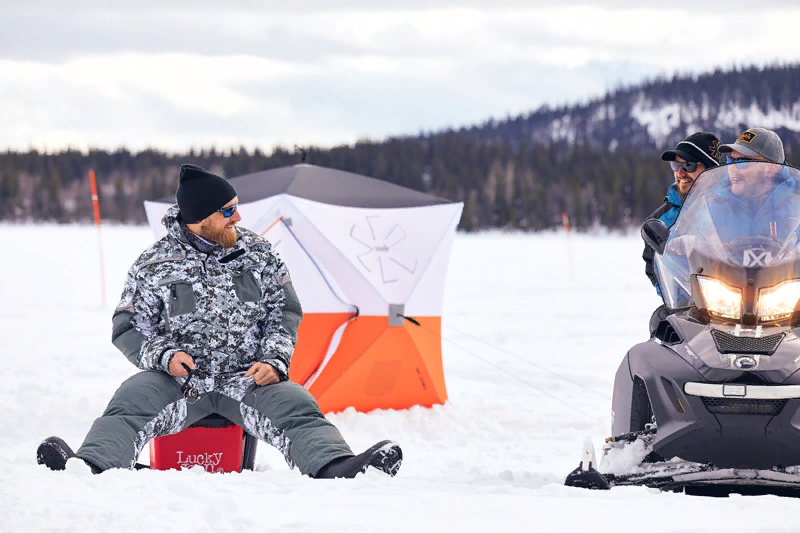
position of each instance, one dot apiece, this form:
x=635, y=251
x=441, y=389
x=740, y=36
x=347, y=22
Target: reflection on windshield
x=744, y=215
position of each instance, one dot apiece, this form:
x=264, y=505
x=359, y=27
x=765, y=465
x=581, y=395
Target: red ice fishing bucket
x=215, y=443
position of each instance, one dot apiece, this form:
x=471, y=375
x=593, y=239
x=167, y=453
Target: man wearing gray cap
x=754, y=144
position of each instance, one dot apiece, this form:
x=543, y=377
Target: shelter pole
x=97, y=223
x=565, y=221
x=271, y=226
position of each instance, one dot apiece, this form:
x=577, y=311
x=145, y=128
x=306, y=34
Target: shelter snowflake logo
x=383, y=253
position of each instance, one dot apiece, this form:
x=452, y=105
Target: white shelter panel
x=260, y=215
x=155, y=212
x=355, y=288
x=427, y=298
x=391, y=248
x=315, y=285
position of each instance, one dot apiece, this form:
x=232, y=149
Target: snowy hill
x=660, y=112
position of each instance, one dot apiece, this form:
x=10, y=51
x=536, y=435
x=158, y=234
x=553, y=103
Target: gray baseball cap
x=757, y=142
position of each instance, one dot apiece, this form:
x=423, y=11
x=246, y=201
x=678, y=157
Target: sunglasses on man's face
x=228, y=212
x=686, y=165
x=739, y=161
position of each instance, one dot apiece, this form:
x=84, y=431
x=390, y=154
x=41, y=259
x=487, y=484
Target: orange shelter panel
x=359, y=334
x=392, y=372
x=314, y=336
x=428, y=340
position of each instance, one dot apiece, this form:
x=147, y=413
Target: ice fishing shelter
x=363, y=254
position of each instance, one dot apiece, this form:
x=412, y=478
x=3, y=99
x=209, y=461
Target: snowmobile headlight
x=778, y=302
x=721, y=300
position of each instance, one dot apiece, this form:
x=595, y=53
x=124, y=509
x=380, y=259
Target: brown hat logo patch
x=746, y=137
x=714, y=149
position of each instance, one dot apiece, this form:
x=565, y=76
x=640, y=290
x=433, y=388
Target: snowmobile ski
x=586, y=476
x=694, y=478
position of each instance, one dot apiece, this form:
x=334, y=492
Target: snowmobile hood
x=725, y=353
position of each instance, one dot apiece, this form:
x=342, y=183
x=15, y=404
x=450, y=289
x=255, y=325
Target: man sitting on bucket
x=209, y=314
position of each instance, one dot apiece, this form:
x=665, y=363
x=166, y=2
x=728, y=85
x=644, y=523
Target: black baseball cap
x=700, y=147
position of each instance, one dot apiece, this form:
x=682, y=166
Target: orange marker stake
x=97, y=223
x=565, y=221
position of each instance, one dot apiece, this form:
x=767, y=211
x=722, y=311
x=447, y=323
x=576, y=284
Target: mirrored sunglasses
x=686, y=165
x=228, y=212
x=739, y=161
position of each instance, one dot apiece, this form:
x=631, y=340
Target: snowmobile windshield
x=736, y=235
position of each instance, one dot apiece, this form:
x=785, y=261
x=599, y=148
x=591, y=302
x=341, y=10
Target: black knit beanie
x=201, y=193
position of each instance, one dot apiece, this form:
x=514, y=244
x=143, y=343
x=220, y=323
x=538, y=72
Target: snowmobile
x=711, y=403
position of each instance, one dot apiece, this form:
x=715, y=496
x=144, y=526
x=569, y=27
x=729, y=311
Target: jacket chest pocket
x=247, y=289
x=180, y=298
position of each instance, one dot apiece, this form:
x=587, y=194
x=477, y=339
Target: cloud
x=578, y=34
x=189, y=74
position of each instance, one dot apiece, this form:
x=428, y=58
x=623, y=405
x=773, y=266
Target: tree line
x=524, y=187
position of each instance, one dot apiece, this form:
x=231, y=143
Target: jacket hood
x=170, y=221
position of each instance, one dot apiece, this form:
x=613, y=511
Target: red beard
x=223, y=237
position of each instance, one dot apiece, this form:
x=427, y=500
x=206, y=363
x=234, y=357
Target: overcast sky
x=175, y=75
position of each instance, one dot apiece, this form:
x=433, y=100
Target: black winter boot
x=54, y=453
x=386, y=456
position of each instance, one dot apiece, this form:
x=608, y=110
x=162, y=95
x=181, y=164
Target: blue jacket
x=667, y=213
x=674, y=202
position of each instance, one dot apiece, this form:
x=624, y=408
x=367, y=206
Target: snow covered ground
x=530, y=354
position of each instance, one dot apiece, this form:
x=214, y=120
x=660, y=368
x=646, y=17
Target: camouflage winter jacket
x=227, y=308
